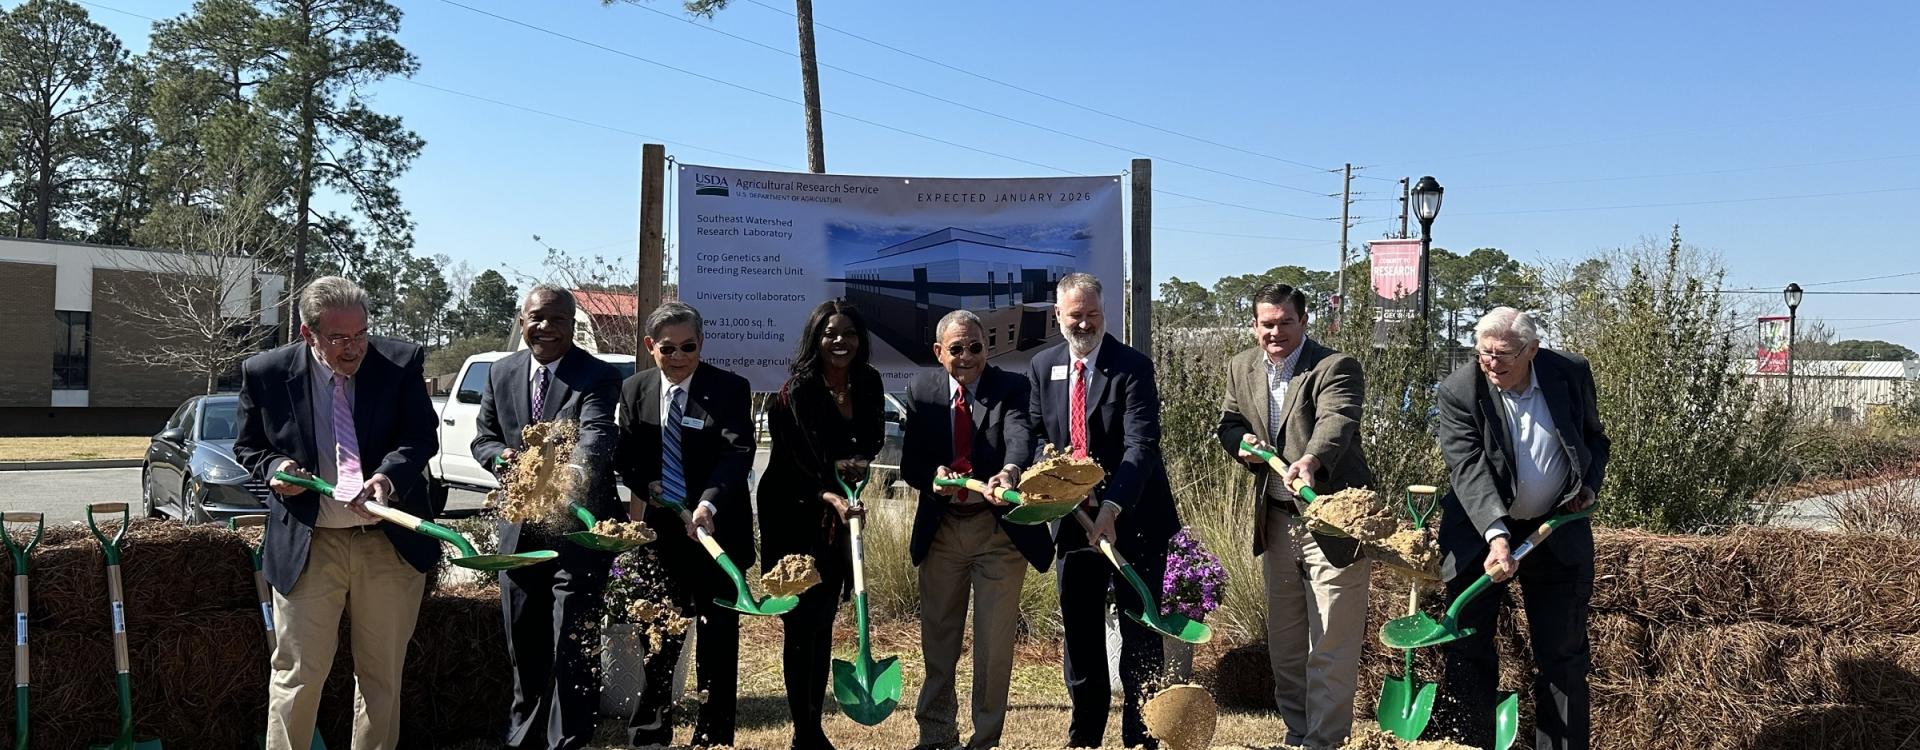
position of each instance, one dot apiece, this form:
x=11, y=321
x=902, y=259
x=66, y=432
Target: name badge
x=1059, y=372
x=693, y=423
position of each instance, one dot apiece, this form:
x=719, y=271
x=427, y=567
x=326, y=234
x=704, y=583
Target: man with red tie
x=967, y=418
x=1099, y=395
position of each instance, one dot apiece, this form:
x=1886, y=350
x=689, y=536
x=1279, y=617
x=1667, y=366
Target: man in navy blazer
x=349, y=409
x=967, y=418
x=1096, y=397
x=713, y=439
x=552, y=610
x=1521, y=434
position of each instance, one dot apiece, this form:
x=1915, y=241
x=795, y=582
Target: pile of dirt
x=540, y=484
x=630, y=531
x=1181, y=716
x=199, y=655
x=1058, y=477
x=791, y=576
x=1410, y=552
x=1355, y=512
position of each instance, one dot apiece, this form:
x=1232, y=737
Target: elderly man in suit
x=1301, y=400
x=347, y=408
x=552, y=610
x=969, y=419
x=1520, y=430
x=1096, y=397
x=686, y=433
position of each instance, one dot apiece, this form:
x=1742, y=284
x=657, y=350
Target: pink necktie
x=346, y=445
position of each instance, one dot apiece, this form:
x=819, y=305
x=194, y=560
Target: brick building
x=65, y=366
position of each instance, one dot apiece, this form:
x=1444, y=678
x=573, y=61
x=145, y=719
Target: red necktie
x=962, y=434
x=1077, y=410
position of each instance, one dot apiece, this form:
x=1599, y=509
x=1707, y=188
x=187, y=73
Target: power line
x=1688, y=203
x=987, y=112
x=1736, y=170
x=1050, y=97
x=1868, y=278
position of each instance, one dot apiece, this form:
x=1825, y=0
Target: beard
x=1081, y=343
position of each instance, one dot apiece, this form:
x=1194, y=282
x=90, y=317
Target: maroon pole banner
x=1772, y=354
x=1396, y=285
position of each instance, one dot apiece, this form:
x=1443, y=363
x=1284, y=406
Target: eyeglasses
x=956, y=350
x=668, y=350
x=339, y=340
x=1497, y=356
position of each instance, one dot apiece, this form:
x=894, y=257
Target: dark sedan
x=190, y=472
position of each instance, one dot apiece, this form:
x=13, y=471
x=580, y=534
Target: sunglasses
x=668, y=350
x=956, y=350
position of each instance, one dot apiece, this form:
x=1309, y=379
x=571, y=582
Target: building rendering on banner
x=906, y=288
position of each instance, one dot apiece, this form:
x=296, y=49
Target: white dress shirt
x=1539, y=458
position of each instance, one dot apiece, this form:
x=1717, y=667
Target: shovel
x=21, y=553
x=868, y=690
x=1023, y=513
x=1421, y=631
x=1179, y=627
x=1405, y=707
x=123, y=670
x=468, y=557
x=261, y=592
x=1506, y=721
x=598, y=542
x=743, y=601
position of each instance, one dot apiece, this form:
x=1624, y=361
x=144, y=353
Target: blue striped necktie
x=673, y=479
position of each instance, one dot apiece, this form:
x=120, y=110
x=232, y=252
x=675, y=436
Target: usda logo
x=709, y=184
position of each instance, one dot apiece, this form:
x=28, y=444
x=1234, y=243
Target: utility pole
x=1405, y=188
x=1346, y=204
x=810, y=88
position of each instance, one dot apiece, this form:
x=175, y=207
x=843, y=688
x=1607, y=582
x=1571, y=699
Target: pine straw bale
x=1659, y=716
x=1881, y=671
x=1669, y=578
x=1758, y=660
x=167, y=570
x=1834, y=581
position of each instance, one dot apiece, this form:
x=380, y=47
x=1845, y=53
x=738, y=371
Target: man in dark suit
x=701, y=415
x=552, y=610
x=968, y=418
x=1521, y=434
x=349, y=409
x=1096, y=397
x=1302, y=400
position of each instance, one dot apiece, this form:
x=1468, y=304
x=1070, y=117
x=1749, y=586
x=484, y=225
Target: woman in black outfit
x=825, y=420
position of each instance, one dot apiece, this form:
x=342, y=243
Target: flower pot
x=623, y=672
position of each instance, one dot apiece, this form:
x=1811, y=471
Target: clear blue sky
x=1493, y=99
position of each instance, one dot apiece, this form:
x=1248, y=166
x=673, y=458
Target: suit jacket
x=1001, y=436
x=392, y=417
x=715, y=457
x=1123, y=435
x=583, y=389
x=1321, y=417
x=807, y=437
x=1479, y=452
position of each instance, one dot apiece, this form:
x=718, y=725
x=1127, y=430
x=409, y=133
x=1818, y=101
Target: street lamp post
x=1426, y=205
x=1792, y=295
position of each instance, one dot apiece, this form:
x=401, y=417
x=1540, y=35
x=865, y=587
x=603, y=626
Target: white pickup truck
x=455, y=467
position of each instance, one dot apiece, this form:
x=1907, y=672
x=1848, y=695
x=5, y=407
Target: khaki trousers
x=356, y=571
x=1316, y=625
x=970, y=553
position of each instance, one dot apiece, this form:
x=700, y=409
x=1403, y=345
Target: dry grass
x=71, y=448
x=1891, y=507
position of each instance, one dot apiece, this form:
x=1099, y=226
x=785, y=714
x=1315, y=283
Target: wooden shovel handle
x=23, y=516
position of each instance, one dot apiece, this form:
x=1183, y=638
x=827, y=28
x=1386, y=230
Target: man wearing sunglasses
x=686, y=434
x=1521, y=434
x=968, y=419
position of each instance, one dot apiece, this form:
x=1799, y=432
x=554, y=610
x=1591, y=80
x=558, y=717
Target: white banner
x=758, y=250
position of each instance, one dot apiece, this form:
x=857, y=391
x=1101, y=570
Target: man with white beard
x=1096, y=397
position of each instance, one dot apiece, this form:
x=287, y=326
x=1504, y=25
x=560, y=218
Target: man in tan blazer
x=1302, y=401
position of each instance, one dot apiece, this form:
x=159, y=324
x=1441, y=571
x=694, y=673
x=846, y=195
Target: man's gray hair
x=1084, y=282
x=326, y=294
x=672, y=314
x=957, y=317
x=551, y=290
x=1506, y=322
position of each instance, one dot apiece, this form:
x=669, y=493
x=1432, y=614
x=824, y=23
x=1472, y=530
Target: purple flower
x=1195, y=580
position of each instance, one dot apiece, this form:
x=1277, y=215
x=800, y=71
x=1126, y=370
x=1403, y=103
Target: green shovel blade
x=1178, y=627
x=598, y=542
x=867, y=692
x=1404, y=709
x=504, y=562
x=1506, y=722
x=1038, y=513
